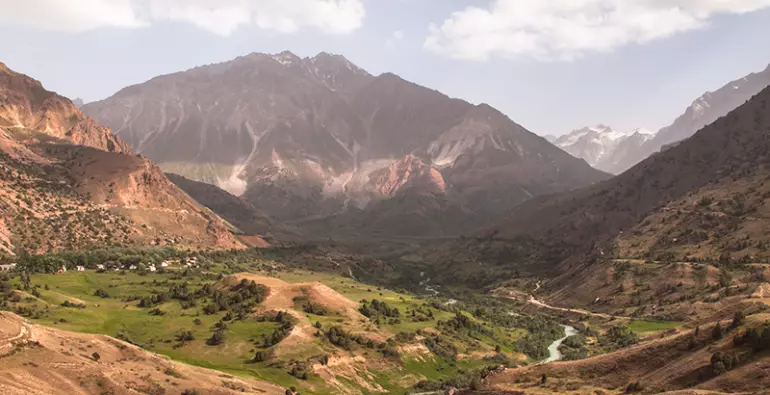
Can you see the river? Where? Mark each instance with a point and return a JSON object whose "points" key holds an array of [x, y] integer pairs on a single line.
{"points": [[553, 350]]}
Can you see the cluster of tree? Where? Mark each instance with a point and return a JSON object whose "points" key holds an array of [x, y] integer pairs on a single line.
{"points": [[286, 321], [74, 305], [101, 293], [756, 338], [299, 370], [153, 300], [376, 309], [462, 324], [309, 306], [464, 379], [617, 337], [721, 362], [573, 348], [442, 347]]}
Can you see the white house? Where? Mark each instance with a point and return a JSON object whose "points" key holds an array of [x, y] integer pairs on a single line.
{"points": [[80, 268], [164, 264], [100, 267], [152, 268], [62, 270], [132, 267], [6, 268]]}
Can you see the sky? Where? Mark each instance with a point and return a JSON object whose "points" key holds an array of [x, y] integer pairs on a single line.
{"points": [[551, 66]]}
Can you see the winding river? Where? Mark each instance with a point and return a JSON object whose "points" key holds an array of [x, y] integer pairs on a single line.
{"points": [[553, 350]]}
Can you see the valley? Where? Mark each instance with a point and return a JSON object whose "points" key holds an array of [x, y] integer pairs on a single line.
{"points": [[284, 224]]}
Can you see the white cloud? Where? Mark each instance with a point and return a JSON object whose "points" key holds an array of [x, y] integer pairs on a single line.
{"points": [[221, 17], [398, 35], [68, 16], [550, 30]]}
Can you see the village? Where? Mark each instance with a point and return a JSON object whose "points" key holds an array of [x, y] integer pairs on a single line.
{"points": [[191, 262]]}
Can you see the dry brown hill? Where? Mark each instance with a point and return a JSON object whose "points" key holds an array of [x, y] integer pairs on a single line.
{"points": [[68, 183], [41, 360]]}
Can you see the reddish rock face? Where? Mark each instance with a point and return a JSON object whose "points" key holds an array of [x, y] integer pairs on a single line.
{"points": [[408, 172], [24, 103], [86, 181]]}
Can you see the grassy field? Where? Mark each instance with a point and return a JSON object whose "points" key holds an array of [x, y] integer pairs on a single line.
{"points": [[120, 315], [643, 326]]}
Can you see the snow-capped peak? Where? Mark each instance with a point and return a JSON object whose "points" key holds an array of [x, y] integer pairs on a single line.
{"points": [[601, 145], [286, 58]]}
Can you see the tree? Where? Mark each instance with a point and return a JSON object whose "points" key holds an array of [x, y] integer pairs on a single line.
{"points": [[96, 356], [738, 319], [716, 333], [543, 379]]}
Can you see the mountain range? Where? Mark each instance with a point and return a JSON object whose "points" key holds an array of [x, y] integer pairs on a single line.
{"points": [[601, 146], [319, 138], [614, 152]]}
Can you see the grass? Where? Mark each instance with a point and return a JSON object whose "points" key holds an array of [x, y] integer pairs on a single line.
{"points": [[645, 326], [117, 316]]}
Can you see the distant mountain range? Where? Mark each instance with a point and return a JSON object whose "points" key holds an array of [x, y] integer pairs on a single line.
{"points": [[601, 146], [613, 152], [306, 139]]}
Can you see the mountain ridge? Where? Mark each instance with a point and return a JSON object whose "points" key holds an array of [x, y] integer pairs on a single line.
{"points": [[69, 183], [309, 137]]}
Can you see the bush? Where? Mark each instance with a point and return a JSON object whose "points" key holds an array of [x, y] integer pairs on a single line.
{"points": [[217, 338]]}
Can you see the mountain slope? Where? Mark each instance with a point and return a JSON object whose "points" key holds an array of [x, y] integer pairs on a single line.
{"points": [[235, 210], [703, 111], [68, 183], [565, 234], [303, 139]]}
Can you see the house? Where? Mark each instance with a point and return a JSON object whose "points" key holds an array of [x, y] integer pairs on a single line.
{"points": [[100, 267], [152, 268], [132, 267], [5, 268], [80, 268], [62, 270], [164, 264]]}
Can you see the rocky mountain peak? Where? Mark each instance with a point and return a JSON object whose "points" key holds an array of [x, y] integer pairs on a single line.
{"points": [[286, 58]]}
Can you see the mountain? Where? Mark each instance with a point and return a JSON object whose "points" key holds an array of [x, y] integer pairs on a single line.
{"points": [[78, 102], [302, 139], [703, 111], [601, 146], [704, 199], [235, 210], [67, 182]]}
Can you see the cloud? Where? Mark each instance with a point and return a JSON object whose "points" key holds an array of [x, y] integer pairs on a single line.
{"points": [[563, 30], [65, 16], [220, 17], [398, 35]]}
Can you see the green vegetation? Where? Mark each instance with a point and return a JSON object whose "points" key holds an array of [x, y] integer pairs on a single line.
{"points": [[196, 315], [644, 326]]}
